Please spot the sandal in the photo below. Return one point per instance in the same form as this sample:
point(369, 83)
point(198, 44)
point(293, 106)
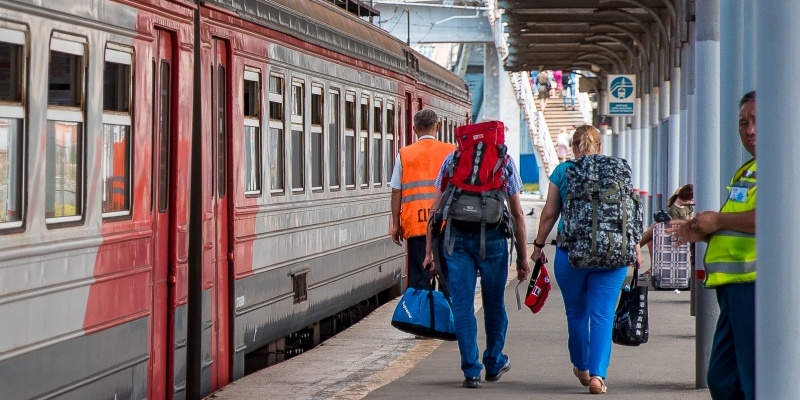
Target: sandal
point(597, 385)
point(582, 376)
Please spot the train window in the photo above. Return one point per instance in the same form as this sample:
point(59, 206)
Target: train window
point(377, 139)
point(363, 143)
point(64, 137)
point(317, 140)
point(65, 74)
point(252, 133)
point(164, 134)
point(298, 160)
point(298, 137)
point(297, 102)
point(390, 141)
point(117, 80)
point(277, 155)
point(350, 141)
point(334, 140)
point(12, 77)
point(252, 94)
point(277, 147)
point(276, 98)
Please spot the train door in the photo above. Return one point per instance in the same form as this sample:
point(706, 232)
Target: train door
point(222, 276)
point(165, 303)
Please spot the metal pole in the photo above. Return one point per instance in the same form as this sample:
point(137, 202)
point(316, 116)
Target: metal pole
point(644, 190)
point(683, 132)
point(707, 156)
point(688, 136)
point(408, 27)
point(616, 141)
point(676, 158)
point(777, 325)
point(731, 26)
point(652, 132)
point(636, 158)
point(663, 135)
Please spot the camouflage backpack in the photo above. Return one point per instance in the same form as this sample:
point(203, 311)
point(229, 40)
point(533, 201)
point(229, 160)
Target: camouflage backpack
point(602, 214)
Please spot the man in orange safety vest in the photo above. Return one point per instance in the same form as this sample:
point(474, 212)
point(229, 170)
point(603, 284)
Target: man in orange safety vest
point(413, 191)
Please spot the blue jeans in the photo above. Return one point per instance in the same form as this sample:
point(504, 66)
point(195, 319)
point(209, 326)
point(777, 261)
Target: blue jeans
point(462, 269)
point(590, 299)
point(732, 366)
point(571, 90)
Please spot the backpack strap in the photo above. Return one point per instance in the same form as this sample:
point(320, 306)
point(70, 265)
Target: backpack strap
point(510, 227)
point(483, 226)
point(449, 194)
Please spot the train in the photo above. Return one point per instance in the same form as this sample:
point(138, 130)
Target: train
point(183, 182)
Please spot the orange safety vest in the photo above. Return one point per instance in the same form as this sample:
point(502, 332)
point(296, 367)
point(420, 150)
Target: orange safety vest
point(421, 163)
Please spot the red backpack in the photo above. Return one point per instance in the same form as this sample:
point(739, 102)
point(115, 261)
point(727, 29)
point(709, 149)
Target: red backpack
point(475, 182)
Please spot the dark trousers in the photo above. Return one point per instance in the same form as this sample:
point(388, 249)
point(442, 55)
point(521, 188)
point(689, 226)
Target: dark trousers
point(732, 367)
point(418, 277)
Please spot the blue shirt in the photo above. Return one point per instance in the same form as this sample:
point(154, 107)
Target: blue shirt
point(513, 185)
point(559, 178)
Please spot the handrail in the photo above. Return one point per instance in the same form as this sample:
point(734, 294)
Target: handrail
point(537, 127)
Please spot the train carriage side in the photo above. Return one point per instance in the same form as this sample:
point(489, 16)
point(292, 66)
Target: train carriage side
point(312, 151)
point(90, 273)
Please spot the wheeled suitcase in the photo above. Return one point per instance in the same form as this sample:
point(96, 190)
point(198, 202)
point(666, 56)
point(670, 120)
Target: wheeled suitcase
point(671, 264)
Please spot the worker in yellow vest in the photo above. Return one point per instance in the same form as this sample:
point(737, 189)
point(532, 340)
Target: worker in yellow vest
point(730, 266)
point(415, 170)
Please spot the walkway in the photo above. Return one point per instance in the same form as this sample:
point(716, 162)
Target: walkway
point(372, 360)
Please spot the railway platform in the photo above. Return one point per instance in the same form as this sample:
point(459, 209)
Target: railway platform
point(373, 360)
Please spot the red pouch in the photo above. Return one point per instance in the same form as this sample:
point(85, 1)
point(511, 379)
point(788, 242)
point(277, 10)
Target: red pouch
point(538, 288)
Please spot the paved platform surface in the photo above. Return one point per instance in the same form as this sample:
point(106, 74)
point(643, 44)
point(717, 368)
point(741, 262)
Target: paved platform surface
point(372, 360)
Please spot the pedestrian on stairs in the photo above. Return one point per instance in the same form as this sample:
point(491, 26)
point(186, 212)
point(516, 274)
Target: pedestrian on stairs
point(562, 145)
point(544, 88)
point(568, 84)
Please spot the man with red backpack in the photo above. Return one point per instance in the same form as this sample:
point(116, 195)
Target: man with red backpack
point(469, 228)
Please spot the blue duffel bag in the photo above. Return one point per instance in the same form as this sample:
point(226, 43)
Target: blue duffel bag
point(425, 313)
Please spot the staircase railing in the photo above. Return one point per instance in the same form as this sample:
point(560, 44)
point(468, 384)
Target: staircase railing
point(537, 126)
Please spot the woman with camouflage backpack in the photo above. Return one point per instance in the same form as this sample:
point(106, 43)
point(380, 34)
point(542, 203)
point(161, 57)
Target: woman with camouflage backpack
point(590, 293)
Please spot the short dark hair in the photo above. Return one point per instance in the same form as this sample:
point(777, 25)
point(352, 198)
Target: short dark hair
point(749, 96)
point(425, 120)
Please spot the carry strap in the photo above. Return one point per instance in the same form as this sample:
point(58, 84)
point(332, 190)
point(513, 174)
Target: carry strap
point(433, 313)
point(445, 291)
point(483, 226)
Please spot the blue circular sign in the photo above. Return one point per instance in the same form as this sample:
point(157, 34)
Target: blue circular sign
point(621, 87)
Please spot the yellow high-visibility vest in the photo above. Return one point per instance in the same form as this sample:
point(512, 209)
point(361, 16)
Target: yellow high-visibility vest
point(731, 255)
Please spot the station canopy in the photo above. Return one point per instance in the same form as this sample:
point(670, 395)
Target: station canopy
point(604, 36)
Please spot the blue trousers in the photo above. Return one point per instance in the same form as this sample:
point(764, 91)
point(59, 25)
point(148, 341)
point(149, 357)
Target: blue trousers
point(732, 367)
point(590, 299)
point(462, 269)
point(571, 90)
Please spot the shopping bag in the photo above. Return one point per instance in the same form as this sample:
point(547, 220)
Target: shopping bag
point(425, 313)
point(538, 288)
point(630, 318)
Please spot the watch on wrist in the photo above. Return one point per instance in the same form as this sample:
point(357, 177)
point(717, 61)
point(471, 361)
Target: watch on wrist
point(537, 245)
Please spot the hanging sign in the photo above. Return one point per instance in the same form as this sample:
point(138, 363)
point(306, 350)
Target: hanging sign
point(621, 89)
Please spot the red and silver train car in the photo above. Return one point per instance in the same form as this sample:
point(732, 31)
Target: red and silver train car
point(273, 124)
